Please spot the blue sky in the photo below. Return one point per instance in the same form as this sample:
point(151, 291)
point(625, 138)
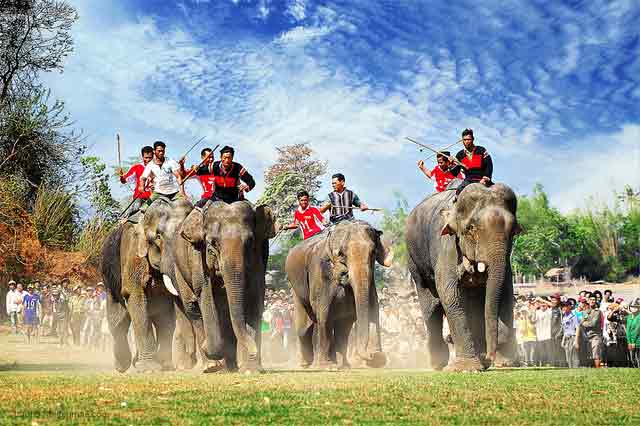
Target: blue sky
point(550, 88)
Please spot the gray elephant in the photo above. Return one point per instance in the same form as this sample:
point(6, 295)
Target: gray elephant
point(459, 258)
point(332, 277)
point(135, 269)
point(221, 254)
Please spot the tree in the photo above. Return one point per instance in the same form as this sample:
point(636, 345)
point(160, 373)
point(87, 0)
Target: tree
point(35, 36)
point(98, 192)
point(37, 143)
point(294, 170)
point(394, 225)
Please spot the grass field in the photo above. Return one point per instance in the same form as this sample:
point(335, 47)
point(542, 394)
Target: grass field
point(68, 388)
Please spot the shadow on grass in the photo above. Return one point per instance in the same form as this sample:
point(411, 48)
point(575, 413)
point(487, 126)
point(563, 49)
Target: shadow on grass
point(76, 367)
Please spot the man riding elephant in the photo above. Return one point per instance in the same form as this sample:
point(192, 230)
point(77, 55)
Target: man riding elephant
point(459, 259)
point(332, 277)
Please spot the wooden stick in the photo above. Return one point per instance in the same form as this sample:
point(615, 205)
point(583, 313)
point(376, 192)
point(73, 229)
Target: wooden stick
point(358, 208)
point(199, 165)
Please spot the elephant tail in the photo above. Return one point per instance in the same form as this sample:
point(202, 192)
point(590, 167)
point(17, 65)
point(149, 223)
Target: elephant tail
point(110, 264)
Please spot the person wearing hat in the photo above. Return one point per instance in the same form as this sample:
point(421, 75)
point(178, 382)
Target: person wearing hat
point(615, 337)
point(31, 303)
point(12, 306)
point(633, 333)
point(230, 179)
point(441, 173)
point(77, 313)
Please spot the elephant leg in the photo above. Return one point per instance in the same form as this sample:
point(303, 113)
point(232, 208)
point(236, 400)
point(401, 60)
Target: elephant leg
point(452, 300)
point(184, 346)
point(325, 340)
point(432, 314)
point(119, 322)
point(342, 329)
point(304, 330)
point(146, 346)
point(164, 320)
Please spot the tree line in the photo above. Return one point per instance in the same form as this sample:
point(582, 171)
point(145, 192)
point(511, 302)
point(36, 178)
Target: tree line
point(50, 191)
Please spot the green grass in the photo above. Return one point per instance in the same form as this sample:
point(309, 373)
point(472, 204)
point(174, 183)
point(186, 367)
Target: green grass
point(585, 396)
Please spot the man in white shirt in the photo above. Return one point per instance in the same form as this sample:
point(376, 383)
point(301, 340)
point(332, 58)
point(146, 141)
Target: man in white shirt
point(14, 305)
point(166, 174)
point(543, 332)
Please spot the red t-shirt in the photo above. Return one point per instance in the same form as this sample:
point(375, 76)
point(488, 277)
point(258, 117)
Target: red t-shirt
point(208, 185)
point(309, 220)
point(136, 170)
point(441, 178)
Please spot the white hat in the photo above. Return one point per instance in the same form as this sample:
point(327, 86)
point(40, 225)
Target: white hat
point(12, 282)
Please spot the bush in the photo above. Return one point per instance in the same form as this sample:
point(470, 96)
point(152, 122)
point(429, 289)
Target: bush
point(54, 217)
point(91, 238)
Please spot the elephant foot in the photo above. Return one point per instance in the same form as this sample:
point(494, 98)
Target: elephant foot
point(121, 368)
point(148, 366)
point(328, 365)
point(214, 367)
point(376, 360)
point(465, 365)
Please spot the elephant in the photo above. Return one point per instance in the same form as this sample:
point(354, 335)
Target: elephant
point(220, 254)
point(459, 259)
point(332, 278)
point(135, 269)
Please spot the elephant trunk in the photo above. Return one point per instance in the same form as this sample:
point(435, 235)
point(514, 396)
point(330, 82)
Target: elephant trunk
point(361, 277)
point(495, 286)
point(234, 274)
point(214, 346)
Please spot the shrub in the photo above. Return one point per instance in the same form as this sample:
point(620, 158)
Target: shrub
point(54, 217)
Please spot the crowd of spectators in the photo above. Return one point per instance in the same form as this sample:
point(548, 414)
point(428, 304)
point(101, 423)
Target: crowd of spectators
point(591, 330)
point(70, 313)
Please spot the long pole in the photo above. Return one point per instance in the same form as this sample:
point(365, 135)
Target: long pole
point(358, 208)
point(443, 149)
point(455, 160)
point(199, 165)
point(193, 146)
point(119, 152)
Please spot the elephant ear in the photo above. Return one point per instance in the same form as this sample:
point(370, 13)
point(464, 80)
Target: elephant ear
point(384, 250)
point(449, 227)
point(192, 229)
point(265, 223)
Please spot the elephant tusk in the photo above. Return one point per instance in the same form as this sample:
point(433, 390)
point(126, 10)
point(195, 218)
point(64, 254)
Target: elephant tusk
point(169, 285)
point(481, 267)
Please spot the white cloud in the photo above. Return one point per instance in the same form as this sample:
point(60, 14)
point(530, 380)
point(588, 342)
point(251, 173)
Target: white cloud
point(149, 83)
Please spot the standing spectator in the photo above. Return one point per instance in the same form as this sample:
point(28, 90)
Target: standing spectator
point(592, 325)
point(31, 303)
point(615, 336)
point(77, 313)
point(60, 314)
point(543, 333)
point(527, 330)
point(569, 334)
point(94, 315)
point(633, 333)
point(556, 351)
point(46, 311)
point(12, 307)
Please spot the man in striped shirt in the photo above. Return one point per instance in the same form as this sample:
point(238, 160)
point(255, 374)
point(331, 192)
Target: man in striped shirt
point(341, 201)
